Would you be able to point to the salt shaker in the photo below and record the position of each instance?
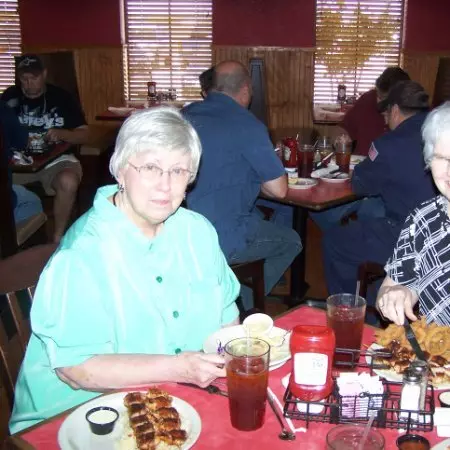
(410, 396)
(421, 367)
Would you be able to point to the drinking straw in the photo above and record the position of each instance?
(372, 415)
(358, 284)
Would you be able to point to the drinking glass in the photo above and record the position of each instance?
(343, 155)
(345, 315)
(305, 160)
(247, 366)
(349, 437)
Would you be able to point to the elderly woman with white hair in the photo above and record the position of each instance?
(136, 285)
(419, 269)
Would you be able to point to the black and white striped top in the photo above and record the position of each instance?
(421, 259)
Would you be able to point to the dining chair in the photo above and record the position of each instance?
(251, 274)
(18, 276)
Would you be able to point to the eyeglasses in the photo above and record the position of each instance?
(152, 172)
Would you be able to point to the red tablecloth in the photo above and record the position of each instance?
(217, 432)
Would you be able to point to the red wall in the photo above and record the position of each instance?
(283, 23)
(428, 25)
(70, 23)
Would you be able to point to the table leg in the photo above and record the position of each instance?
(299, 286)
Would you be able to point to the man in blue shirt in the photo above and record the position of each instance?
(394, 171)
(238, 162)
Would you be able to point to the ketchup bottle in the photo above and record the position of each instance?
(312, 348)
(290, 153)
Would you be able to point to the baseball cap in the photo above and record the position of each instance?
(29, 63)
(407, 95)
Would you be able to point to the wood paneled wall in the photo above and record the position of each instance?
(289, 81)
(422, 67)
(99, 76)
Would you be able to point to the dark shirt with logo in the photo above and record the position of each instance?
(54, 109)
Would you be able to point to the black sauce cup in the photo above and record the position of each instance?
(103, 427)
(413, 438)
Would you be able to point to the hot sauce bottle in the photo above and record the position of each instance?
(290, 153)
(312, 348)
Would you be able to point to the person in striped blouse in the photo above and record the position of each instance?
(419, 269)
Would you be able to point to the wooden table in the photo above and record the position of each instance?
(41, 160)
(318, 198)
(217, 432)
(109, 116)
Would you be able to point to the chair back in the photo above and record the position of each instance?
(15, 331)
(18, 276)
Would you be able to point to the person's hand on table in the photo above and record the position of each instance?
(395, 302)
(201, 368)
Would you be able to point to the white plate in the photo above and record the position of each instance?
(442, 445)
(303, 183)
(278, 355)
(343, 177)
(75, 433)
(391, 375)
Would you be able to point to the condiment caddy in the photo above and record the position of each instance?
(389, 406)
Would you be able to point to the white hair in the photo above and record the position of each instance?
(435, 127)
(155, 129)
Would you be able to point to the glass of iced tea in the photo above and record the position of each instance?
(305, 160)
(343, 154)
(247, 365)
(350, 437)
(345, 315)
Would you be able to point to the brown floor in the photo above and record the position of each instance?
(314, 272)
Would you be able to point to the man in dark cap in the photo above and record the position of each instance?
(394, 171)
(51, 115)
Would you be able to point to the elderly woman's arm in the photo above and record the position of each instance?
(104, 372)
(394, 301)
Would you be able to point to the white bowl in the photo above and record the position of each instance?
(258, 324)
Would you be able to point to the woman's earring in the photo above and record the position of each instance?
(121, 188)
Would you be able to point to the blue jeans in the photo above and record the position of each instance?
(372, 207)
(28, 203)
(278, 245)
(282, 214)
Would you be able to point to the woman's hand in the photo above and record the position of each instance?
(200, 368)
(396, 301)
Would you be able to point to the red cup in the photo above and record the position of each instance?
(305, 161)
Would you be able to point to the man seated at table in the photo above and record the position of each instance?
(206, 81)
(51, 115)
(395, 171)
(364, 123)
(25, 203)
(238, 162)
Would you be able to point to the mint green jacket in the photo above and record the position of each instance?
(108, 289)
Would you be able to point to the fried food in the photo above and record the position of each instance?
(153, 419)
(433, 339)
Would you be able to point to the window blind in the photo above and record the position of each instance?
(169, 42)
(10, 41)
(355, 41)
